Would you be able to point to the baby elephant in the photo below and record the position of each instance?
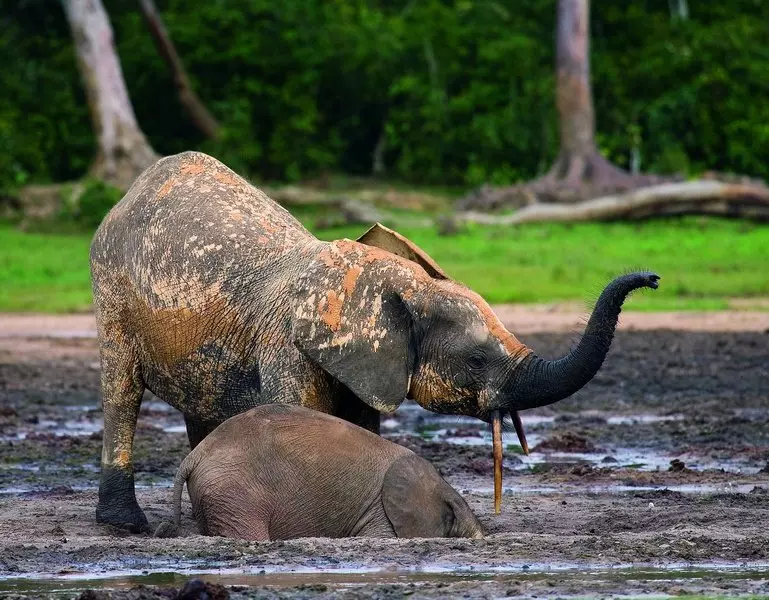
(281, 472)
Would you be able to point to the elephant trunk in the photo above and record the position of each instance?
(539, 382)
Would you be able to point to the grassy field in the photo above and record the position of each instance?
(703, 262)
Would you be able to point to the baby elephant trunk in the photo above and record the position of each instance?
(170, 528)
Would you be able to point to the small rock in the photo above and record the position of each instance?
(449, 225)
(567, 441)
(678, 466)
(93, 595)
(197, 589)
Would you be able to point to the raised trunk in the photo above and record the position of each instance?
(192, 104)
(123, 150)
(541, 382)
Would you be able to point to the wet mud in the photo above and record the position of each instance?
(654, 479)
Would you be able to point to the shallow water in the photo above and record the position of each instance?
(84, 420)
(643, 459)
(686, 488)
(352, 576)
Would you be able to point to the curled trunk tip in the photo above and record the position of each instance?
(542, 382)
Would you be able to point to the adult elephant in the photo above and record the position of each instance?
(216, 299)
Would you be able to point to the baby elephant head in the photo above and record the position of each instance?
(420, 504)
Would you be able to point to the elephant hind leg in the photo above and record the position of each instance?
(122, 390)
(197, 430)
(229, 506)
(255, 529)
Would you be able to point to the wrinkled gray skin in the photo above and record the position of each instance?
(216, 299)
(280, 472)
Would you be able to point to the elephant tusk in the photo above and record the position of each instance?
(496, 435)
(519, 430)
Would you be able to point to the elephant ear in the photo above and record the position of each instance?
(385, 238)
(415, 501)
(351, 320)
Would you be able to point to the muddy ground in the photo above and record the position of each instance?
(652, 480)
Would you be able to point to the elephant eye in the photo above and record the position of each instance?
(476, 362)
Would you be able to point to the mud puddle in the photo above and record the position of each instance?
(662, 460)
(425, 578)
(615, 489)
(644, 459)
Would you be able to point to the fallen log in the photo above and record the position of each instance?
(701, 197)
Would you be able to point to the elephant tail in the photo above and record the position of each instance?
(170, 528)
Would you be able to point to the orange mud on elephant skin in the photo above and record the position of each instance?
(217, 300)
(260, 476)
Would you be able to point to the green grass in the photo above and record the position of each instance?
(44, 272)
(703, 262)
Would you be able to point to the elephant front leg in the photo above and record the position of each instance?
(122, 390)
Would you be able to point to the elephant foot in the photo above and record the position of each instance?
(167, 529)
(130, 518)
(117, 502)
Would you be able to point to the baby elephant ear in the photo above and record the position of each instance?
(415, 499)
(385, 238)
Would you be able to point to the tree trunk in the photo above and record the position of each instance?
(195, 108)
(580, 172)
(579, 163)
(574, 98)
(123, 150)
(679, 9)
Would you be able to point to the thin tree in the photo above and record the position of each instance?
(123, 151)
(192, 104)
(579, 168)
(579, 156)
(582, 175)
(579, 171)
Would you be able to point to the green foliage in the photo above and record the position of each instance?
(703, 262)
(45, 130)
(87, 207)
(461, 91)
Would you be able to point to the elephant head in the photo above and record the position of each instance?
(419, 503)
(381, 317)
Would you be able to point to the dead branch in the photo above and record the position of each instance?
(704, 197)
(195, 108)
